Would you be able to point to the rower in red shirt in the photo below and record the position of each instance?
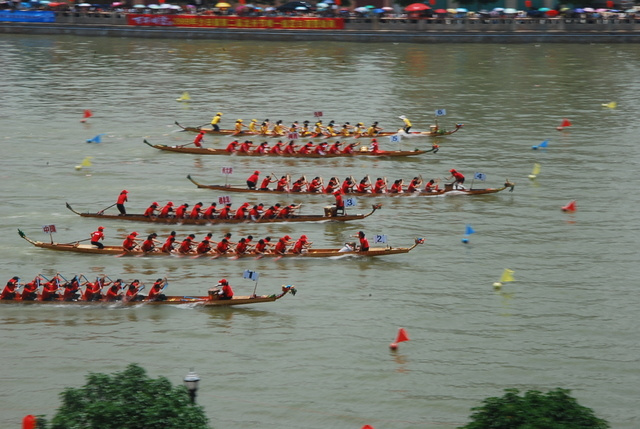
(374, 148)
(211, 211)
(155, 293)
(30, 290)
(245, 147)
(350, 148)
(71, 291)
(315, 185)
(414, 185)
(335, 148)
(339, 202)
(50, 289)
(288, 211)
(252, 181)
(277, 149)
(432, 186)
(347, 185)
(225, 212)
(364, 243)
(198, 140)
(396, 188)
(363, 186)
(130, 242)
(204, 246)
(306, 149)
(149, 245)
(132, 291)
(262, 246)
(113, 293)
(122, 198)
(182, 211)
(233, 146)
(92, 291)
(241, 213)
(380, 186)
(283, 184)
(271, 212)
(166, 210)
(187, 244)
(321, 149)
(262, 148)
(222, 291)
(298, 184)
(332, 186)
(282, 244)
(195, 212)
(242, 246)
(96, 236)
(290, 148)
(151, 210)
(222, 247)
(9, 292)
(459, 178)
(168, 245)
(301, 244)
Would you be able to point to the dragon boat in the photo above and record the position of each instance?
(449, 189)
(195, 301)
(434, 131)
(77, 247)
(357, 153)
(328, 216)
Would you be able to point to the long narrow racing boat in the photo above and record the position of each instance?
(308, 253)
(195, 301)
(448, 190)
(357, 153)
(328, 216)
(435, 131)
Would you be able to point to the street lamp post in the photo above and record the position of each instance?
(191, 381)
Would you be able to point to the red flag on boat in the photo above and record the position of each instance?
(571, 207)
(87, 115)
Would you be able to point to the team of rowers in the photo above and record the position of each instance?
(245, 212)
(318, 129)
(348, 185)
(59, 288)
(207, 246)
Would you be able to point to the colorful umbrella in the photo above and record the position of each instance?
(417, 7)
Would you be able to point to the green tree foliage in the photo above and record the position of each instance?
(535, 410)
(127, 400)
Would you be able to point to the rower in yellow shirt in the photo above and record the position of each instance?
(253, 126)
(304, 129)
(373, 130)
(215, 121)
(358, 130)
(264, 128)
(238, 127)
(317, 129)
(278, 129)
(330, 130)
(407, 123)
(345, 131)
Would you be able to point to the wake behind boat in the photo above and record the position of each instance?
(449, 189)
(328, 215)
(363, 152)
(307, 253)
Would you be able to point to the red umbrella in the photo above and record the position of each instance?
(416, 7)
(551, 13)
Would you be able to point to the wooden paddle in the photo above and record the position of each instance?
(76, 242)
(103, 210)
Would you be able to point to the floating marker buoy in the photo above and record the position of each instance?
(507, 276)
(535, 171)
(465, 240)
(402, 336)
(87, 115)
(571, 207)
(565, 123)
(610, 105)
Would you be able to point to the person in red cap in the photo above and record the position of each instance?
(151, 210)
(282, 244)
(252, 181)
(198, 140)
(364, 243)
(130, 242)
(122, 198)
(339, 202)
(166, 210)
(96, 236)
(374, 146)
(195, 213)
(9, 291)
(277, 148)
(458, 178)
(222, 290)
(301, 245)
(241, 213)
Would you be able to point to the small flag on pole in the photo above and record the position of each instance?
(96, 139)
(507, 276)
(184, 97)
(565, 123)
(571, 207)
(87, 115)
(400, 337)
(480, 176)
(535, 171)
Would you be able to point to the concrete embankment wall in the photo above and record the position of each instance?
(359, 30)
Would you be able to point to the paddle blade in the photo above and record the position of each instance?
(507, 276)
(468, 230)
(402, 336)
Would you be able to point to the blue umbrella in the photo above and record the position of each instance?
(379, 11)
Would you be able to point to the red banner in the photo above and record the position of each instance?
(262, 22)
